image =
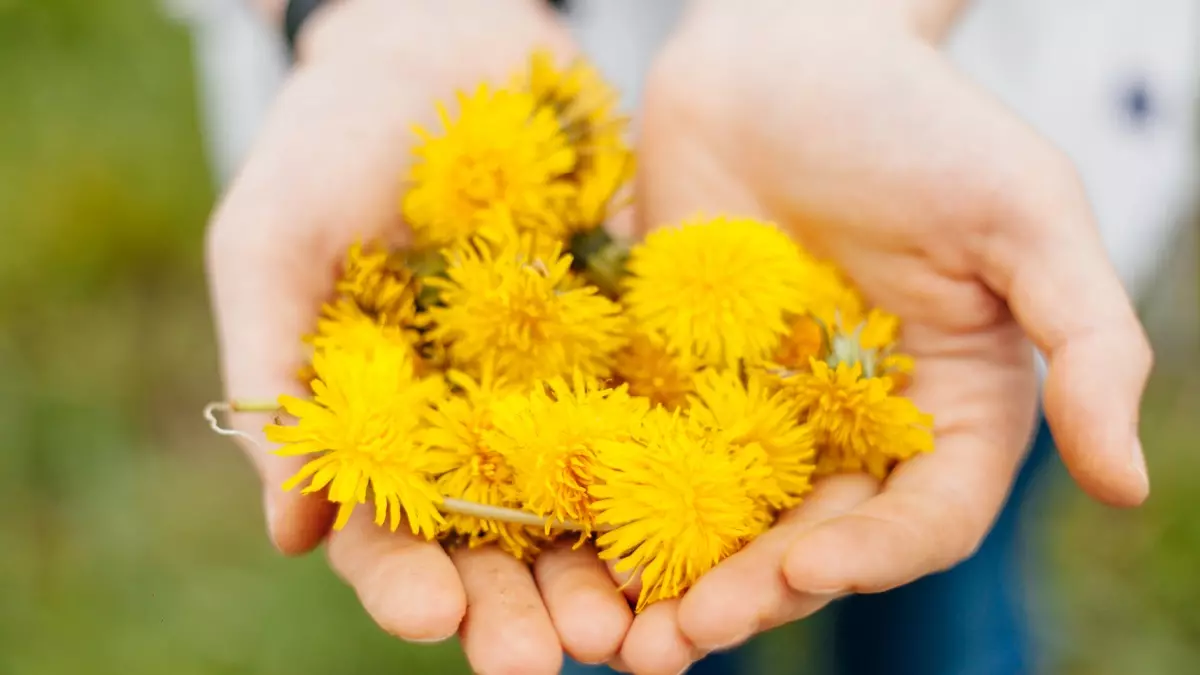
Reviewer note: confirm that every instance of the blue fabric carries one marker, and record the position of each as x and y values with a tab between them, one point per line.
970	620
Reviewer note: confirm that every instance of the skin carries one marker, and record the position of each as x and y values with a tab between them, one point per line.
837	119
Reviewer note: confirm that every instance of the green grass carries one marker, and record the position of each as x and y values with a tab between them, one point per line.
132	541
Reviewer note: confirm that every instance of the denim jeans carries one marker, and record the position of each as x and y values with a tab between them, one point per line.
969	620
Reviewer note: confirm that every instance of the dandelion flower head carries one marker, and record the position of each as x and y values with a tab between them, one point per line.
752	413
344	325
653	370
718	289
519	311
858	422
361	425
549	438
460	425
804	340
676	501
502	162
585	106
380	284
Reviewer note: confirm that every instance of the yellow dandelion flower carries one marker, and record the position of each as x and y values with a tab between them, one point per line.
654	371
609	166
878	329
380	284
523	314
500	163
898	368
749	414
585	106
549	439
872	345
858	422
584	103
677	502
828	295
361	426
719	289
838	307
459	425
344	325
805	340
852	336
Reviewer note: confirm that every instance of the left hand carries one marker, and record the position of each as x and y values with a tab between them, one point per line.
838	120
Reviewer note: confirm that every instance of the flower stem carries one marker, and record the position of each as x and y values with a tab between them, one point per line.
253	406
466	508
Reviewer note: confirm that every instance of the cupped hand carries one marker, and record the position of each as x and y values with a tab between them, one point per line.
841	121
327	171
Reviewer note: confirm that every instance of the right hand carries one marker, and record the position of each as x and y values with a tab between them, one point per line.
325	172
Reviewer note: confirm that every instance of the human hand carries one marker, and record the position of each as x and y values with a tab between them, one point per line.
326	172
839	120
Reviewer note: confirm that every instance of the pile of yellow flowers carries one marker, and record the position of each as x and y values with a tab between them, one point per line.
517	375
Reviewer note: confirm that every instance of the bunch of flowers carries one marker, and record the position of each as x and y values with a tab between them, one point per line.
517	375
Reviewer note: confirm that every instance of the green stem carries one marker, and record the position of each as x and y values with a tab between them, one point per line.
253	406
466	508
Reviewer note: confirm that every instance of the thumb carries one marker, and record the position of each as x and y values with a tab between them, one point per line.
261	312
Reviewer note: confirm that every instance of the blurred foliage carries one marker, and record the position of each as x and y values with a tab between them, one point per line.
132	542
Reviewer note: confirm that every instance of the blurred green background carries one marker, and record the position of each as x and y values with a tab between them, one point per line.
132	541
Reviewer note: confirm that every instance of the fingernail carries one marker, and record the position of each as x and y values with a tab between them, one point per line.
428	641
1138	461
269	513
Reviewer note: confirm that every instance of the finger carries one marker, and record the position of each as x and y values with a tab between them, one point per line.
273	250
408	585
296	522
585	605
655	645
747	593
934	509
261	315
1056	275
507	630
